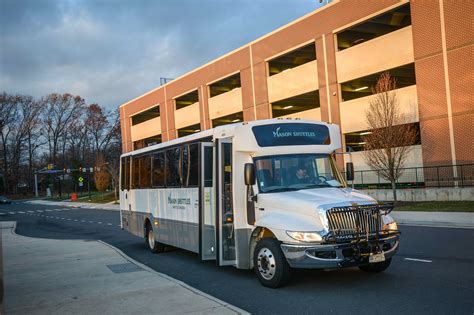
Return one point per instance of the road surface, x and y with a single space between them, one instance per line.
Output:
433 271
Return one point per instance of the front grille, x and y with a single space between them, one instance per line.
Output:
351 223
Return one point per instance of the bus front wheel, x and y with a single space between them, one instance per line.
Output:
271 266
153 245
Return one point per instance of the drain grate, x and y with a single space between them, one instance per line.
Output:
123 268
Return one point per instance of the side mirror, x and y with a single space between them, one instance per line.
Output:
249 172
350 171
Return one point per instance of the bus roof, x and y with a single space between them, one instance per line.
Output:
226 131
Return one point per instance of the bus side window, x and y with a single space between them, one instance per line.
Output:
158 177
123 172
128 160
185 165
145 171
193 167
135 173
172 167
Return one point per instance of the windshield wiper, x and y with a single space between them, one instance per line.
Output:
282 189
317 185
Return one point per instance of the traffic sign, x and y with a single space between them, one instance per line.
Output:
81 179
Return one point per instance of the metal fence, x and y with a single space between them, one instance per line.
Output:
420 177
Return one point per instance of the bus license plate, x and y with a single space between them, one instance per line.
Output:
375 258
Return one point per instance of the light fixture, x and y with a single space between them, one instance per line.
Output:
365 133
288 107
361 88
197 130
235 120
362 143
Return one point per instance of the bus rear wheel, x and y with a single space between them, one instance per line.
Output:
153 245
270 264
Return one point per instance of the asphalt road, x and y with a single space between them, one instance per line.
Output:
433 272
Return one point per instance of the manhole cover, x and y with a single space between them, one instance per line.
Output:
122 268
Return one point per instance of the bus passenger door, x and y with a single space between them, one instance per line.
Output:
225 207
208 202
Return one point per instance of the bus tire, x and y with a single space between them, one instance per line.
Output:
377 267
153 245
271 267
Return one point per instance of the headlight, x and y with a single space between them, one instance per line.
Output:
305 236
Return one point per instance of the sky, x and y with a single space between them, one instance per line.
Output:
111 51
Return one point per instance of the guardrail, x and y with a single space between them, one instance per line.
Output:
419 177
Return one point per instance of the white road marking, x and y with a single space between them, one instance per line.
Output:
1 213
83 221
91 221
12 212
56 217
75 220
69 219
30 211
109 223
48 210
39 210
420 260
99 222
21 212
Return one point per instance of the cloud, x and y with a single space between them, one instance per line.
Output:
112 51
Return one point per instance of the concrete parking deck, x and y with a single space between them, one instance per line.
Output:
44 276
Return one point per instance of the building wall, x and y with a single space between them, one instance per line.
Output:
439 42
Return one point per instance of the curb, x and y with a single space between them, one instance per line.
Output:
180 283
150 270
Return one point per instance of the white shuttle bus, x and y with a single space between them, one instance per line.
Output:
264 194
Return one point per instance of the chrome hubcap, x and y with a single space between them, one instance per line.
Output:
151 239
266 263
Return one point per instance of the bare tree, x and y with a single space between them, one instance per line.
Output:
61 111
101 126
390 138
8 116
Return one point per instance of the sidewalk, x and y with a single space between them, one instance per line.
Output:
43 276
441 219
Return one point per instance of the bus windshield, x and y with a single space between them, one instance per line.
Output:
295 171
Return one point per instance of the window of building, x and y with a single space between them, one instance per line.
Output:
225 85
296 104
159 170
146 115
377 26
187 99
229 119
173 178
355 140
189 130
292 59
360 87
139 144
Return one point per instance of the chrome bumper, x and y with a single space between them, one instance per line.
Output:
328 256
